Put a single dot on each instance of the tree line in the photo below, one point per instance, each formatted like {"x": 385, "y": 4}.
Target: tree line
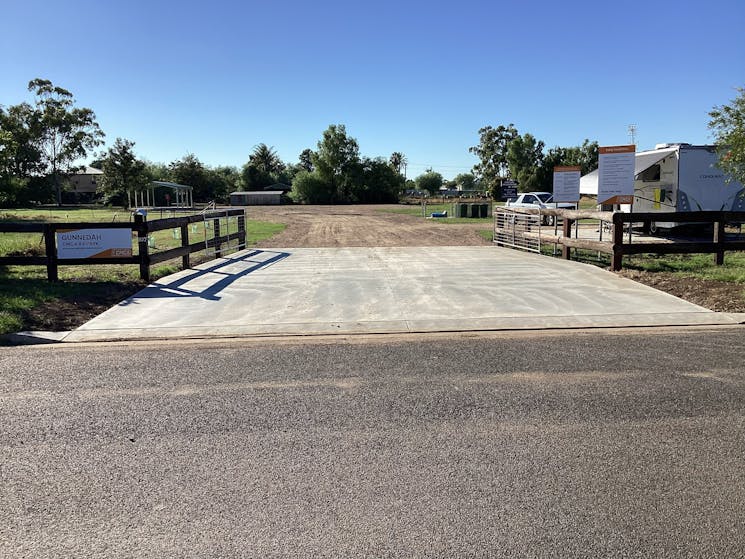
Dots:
{"x": 42, "y": 141}
{"x": 504, "y": 153}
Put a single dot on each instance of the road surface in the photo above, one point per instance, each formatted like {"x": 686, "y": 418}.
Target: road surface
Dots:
{"x": 624, "y": 443}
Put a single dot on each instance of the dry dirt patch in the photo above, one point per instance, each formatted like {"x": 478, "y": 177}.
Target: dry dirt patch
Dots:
{"x": 718, "y": 296}
{"x": 362, "y": 226}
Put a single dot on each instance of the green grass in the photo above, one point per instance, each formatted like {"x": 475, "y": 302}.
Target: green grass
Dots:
{"x": 417, "y": 210}
{"x": 25, "y": 288}
{"x": 692, "y": 265}
{"x": 700, "y": 266}
{"x": 46, "y": 215}
{"x": 487, "y": 234}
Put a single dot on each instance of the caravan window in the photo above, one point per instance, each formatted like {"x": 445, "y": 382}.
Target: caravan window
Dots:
{"x": 651, "y": 174}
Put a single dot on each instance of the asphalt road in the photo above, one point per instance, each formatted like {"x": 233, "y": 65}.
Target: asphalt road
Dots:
{"x": 626, "y": 444}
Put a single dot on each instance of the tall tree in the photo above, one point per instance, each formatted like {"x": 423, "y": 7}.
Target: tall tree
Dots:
{"x": 225, "y": 179}
{"x": 122, "y": 172}
{"x": 190, "y": 171}
{"x": 20, "y": 154}
{"x": 466, "y": 181}
{"x": 66, "y": 133}
{"x": 429, "y": 180}
{"x": 585, "y": 157}
{"x": 306, "y": 159}
{"x": 336, "y": 161}
{"x": 398, "y": 161}
{"x": 492, "y": 153}
{"x": 728, "y": 124}
{"x": 525, "y": 159}
{"x": 377, "y": 183}
{"x": 266, "y": 160}
{"x": 264, "y": 168}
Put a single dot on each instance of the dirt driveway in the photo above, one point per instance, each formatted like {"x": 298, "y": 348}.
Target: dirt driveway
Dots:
{"x": 363, "y": 226}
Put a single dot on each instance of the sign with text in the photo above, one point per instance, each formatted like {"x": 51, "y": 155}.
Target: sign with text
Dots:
{"x": 566, "y": 184}
{"x": 616, "y": 174}
{"x": 509, "y": 189}
{"x": 94, "y": 243}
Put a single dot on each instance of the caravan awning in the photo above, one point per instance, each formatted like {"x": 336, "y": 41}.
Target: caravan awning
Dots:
{"x": 643, "y": 160}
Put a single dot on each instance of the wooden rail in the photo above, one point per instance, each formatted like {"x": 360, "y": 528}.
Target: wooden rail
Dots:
{"x": 141, "y": 227}
{"x": 618, "y": 247}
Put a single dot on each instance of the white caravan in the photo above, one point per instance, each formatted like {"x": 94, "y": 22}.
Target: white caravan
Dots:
{"x": 678, "y": 178}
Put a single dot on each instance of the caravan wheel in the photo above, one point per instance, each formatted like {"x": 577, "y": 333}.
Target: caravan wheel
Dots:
{"x": 655, "y": 229}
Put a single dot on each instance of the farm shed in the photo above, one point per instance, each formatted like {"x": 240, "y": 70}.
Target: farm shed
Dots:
{"x": 260, "y": 198}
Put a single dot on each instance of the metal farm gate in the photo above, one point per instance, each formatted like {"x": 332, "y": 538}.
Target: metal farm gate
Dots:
{"x": 517, "y": 230}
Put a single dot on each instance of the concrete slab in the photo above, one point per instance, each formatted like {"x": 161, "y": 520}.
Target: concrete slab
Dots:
{"x": 385, "y": 290}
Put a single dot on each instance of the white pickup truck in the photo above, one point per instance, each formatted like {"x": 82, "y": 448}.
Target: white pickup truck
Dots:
{"x": 539, "y": 200}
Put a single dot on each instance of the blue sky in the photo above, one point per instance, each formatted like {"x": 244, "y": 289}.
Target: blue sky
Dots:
{"x": 216, "y": 78}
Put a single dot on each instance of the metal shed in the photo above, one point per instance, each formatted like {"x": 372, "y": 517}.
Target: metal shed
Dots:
{"x": 259, "y": 198}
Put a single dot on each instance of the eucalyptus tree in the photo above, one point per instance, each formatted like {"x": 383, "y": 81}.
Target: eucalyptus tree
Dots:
{"x": 492, "y": 153}
{"x": 65, "y": 133}
{"x": 728, "y": 124}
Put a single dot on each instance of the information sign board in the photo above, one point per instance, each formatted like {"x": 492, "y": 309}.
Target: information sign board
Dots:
{"x": 566, "y": 184}
{"x": 94, "y": 243}
{"x": 509, "y": 189}
{"x": 616, "y": 174}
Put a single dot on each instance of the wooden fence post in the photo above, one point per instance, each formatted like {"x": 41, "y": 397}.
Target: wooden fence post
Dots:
{"x": 50, "y": 248}
{"x": 142, "y": 247}
{"x": 567, "y": 232}
{"x": 719, "y": 241}
{"x": 617, "y": 258}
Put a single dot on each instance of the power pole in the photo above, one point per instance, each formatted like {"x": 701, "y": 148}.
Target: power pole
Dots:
{"x": 632, "y": 133}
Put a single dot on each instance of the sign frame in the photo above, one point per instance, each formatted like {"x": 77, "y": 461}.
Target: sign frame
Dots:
{"x": 566, "y": 183}
{"x": 94, "y": 243}
{"x": 616, "y": 174}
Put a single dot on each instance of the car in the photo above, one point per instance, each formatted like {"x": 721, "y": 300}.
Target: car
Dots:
{"x": 540, "y": 201}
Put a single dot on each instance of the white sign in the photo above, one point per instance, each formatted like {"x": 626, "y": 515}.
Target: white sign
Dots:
{"x": 616, "y": 174}
{"x": 566, "y": 184}
{"x": 94, "y": 243}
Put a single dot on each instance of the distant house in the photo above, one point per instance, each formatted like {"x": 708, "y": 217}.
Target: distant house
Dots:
{"x": 83, "y": 185}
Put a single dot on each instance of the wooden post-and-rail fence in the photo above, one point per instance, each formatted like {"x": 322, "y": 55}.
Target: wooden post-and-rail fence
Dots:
{"x": 142, "y": 227}
{"x": 620, "y": 244}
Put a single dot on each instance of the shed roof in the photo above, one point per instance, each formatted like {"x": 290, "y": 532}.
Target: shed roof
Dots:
{"x": 88, "y": 170}
{"x": 256, "y": 192}
{"x": 172, "y": 185}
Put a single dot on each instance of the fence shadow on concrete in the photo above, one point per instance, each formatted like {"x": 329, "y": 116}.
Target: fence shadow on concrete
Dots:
{"x": 255, "y": 261}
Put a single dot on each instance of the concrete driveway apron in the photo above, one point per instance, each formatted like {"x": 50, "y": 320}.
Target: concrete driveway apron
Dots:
{"x": 386, "y": 290}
